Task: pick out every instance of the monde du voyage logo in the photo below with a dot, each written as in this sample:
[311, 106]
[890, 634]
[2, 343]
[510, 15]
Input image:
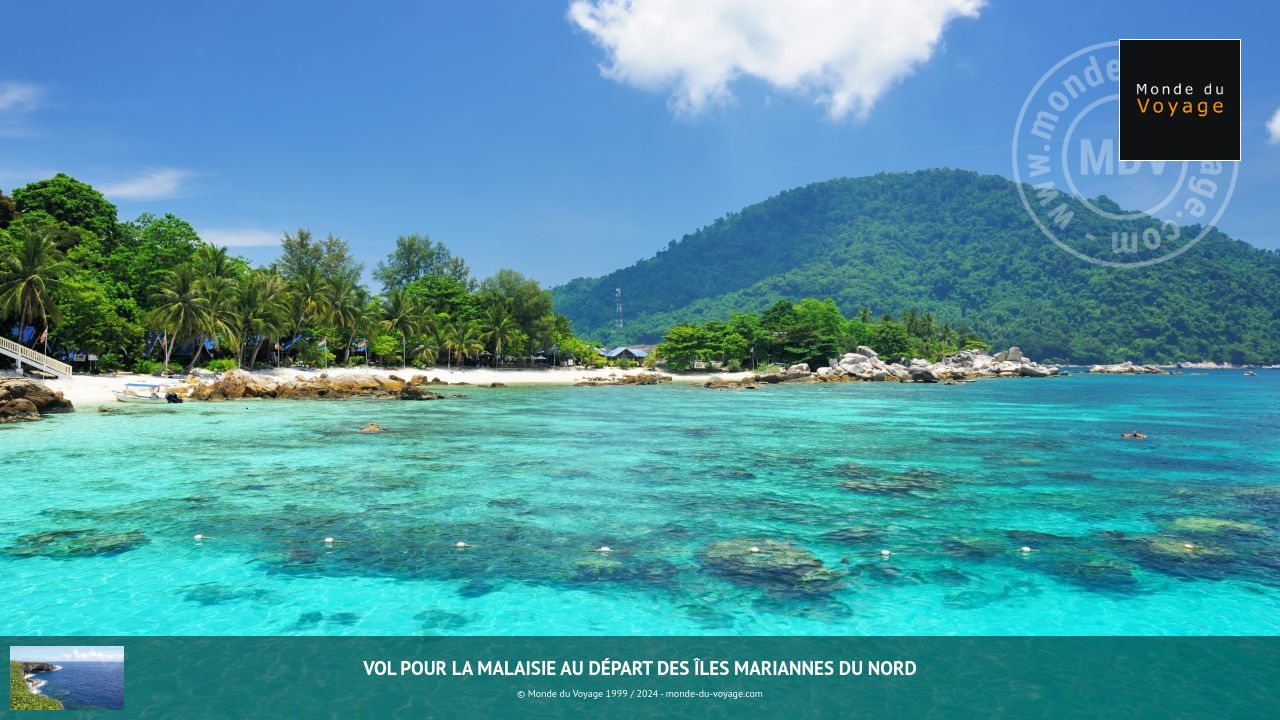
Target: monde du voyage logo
[1143, 182]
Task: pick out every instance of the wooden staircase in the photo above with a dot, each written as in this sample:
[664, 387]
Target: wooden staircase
[26, 356]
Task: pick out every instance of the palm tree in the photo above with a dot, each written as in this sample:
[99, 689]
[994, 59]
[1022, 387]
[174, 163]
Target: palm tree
[214, 262]
[427, 353]
[220, 325]
[260, 310]
[501, 329]
[183, 310]
[402, 315]
[28, 277]
[308, 290]
[462, 338]
[345, 305]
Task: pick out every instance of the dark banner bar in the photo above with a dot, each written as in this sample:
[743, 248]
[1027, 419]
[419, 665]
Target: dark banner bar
[480, 677]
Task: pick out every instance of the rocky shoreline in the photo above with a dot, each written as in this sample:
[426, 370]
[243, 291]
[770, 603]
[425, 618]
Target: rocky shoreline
[23, 400]
[647, 378]
[1128, 368]
[864, 365]
[239, 384]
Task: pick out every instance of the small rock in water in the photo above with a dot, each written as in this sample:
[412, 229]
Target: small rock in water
[373, 427]
[780, 567]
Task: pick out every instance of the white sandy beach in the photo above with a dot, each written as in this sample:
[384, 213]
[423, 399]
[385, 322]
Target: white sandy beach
[92, 390]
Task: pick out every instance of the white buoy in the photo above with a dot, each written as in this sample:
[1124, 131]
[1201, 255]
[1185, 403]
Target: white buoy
[1189, 546]
[605, 549]
[199, 537]
[885, 553]
[753, 549]
[460, 544]
[1024, 549]
[328, 541]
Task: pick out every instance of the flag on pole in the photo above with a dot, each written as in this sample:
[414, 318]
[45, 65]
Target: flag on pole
[43, 336]
[324, 342]
[360, 346]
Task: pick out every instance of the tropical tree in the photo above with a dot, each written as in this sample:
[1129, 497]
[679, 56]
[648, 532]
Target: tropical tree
[416, 257]
[308, 291]
[182, 308]
[220, 324]
[261, 311]
[500, 328]
[72, 202]
[426, 353]
[462, 340]
[524, 298]
[345, 308]
[28, 277]
[402, 315]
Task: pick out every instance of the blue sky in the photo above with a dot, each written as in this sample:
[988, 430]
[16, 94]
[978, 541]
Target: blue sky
[67, 653]
[561, 142]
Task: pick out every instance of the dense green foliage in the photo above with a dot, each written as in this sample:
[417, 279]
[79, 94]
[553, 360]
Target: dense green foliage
[21, 697]
[145, 293]
[960, 247]
[810, 331]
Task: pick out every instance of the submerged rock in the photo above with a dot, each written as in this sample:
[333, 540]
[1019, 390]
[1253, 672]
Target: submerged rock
[854, 535]
[719, 383]
[973, 547]
[947, 577]
[1215, 526]
[914, 482]
[212, 593]
[1093, 571]
[373, 427]
[416, 392]
[642, 378]
[63, 544]
[441, 620]
[772, 565]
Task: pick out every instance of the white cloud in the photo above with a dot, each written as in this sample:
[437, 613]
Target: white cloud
[1273, 128]
[94, 655]
[17, 100]
[846, 53]
[241, 237]
[19, 96]
[153, 184]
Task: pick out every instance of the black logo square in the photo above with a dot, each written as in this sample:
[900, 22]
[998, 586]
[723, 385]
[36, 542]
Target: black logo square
[1180, 100]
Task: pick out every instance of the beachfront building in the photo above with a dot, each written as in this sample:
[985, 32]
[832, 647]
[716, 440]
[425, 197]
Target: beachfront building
[634, 353]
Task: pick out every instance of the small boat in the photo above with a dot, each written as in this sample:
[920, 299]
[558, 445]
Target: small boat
[1250, 373]
[145, 393]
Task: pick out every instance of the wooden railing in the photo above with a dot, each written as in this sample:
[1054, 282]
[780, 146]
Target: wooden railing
[31, 357]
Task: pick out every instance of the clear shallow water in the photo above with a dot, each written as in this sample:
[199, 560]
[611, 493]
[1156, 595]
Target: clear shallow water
[97, 512]
[85, 685]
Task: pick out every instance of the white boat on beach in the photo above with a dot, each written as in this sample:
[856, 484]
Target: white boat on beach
[146, 393]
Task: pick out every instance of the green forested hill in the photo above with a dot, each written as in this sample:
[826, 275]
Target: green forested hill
[960, 246]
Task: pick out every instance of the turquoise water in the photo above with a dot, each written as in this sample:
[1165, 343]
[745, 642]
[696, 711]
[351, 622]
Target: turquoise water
[98, 511]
